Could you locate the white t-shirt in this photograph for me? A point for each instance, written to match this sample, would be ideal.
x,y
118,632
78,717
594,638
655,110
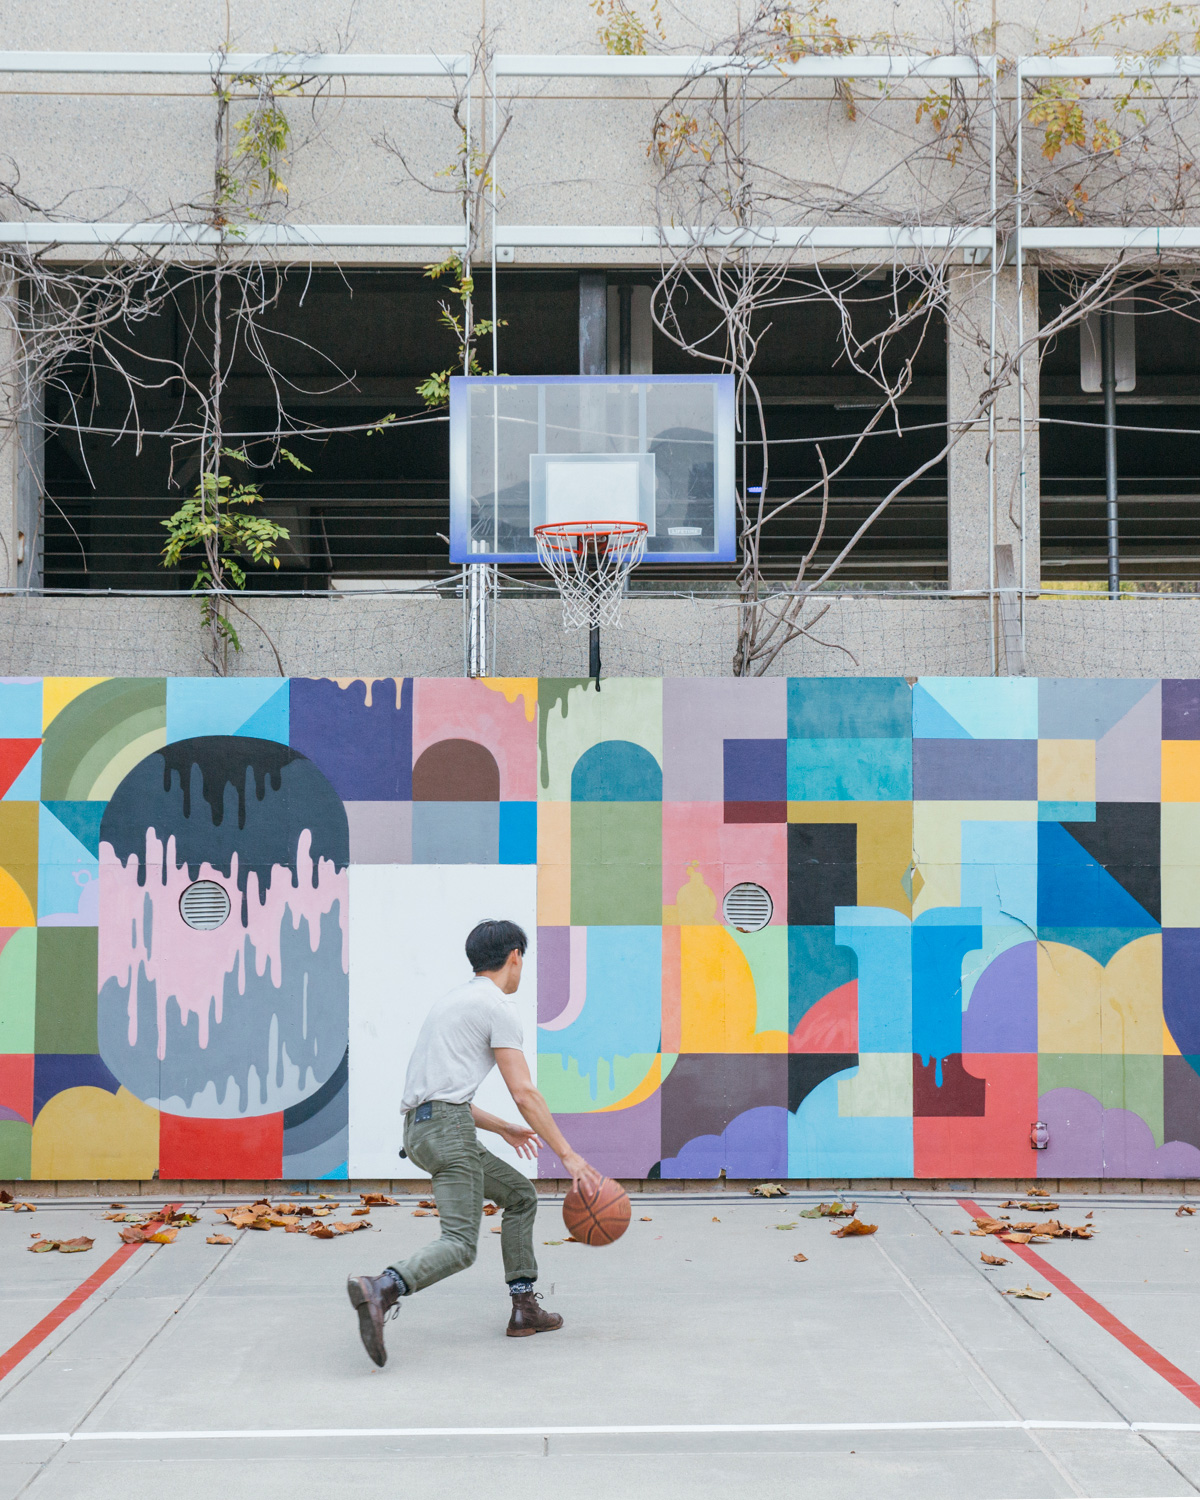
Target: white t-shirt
x,y
453,1054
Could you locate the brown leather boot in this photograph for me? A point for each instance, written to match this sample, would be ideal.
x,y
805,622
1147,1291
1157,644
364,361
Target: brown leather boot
x,y
372,1297
528,1317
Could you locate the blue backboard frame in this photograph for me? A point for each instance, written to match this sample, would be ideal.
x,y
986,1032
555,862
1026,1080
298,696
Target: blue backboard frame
x,y
724,462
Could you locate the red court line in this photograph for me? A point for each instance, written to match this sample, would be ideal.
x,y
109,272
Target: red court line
x,y
75,1300
1136,1345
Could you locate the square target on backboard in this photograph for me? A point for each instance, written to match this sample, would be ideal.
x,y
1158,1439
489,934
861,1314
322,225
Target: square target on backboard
x,y
528,450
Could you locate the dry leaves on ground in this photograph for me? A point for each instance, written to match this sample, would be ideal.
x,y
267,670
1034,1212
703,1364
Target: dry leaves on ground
x,y
992,1260
496,1229
768,1190
489,1209
219,1239
8,1201
378,1200
785,1226
646,1219
552,1242
834,1210
1026,1291
854,1227
958,1231
157,1228
68,1247
715,1219
292,1218
1184,1208
1038,1193
799,1255
1030,1208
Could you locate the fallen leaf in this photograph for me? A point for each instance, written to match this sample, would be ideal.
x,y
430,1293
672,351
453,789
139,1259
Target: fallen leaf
x,y
980,1233
646,1219
1016,1239
357,1213
322,1232
5,1196
427,1203
799,1255
116,1205
1184,1208
132,1234
1026,1291
833,1210
1089,1213
72,1247
489,1209
422,1213
768,1190
571,1240
219,1239
785,1226
40,1245
715,1219
552,1242
381,1200
325,1195
1038,1193
957,1231
164,1236
495,1229
854,1227
992,1260
341,1227
24,1208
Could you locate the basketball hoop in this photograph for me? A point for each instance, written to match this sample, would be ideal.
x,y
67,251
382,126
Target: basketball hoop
x,y
590,562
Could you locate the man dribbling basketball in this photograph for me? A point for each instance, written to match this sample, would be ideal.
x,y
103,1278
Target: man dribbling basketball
x,y
468,1032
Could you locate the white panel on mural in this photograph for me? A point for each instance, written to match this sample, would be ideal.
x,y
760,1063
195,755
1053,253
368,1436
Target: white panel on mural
x,y
408,924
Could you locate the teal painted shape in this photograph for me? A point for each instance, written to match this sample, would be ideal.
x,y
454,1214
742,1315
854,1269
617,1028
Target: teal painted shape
x,y
881,940
1066,812
941,940
1100,942
999,873
817,964
622,1011
28,785
616,771
66,868
273,720
82,819
849,770
20,709
822,1143
854,708
988,708
226,705
931,721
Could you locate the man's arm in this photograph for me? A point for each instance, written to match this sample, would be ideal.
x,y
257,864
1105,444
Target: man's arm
x,y
519,1137
515,1072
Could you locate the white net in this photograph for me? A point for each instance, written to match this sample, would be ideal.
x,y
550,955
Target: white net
x,y
590,561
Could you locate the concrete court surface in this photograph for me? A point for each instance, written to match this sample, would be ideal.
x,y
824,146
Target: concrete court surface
x,y
236,1370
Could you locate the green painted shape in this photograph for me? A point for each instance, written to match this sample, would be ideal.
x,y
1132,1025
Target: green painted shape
x,y
669,1059
82,739
66,990
1133,1081
616,864
18,991
570,1092
16,1150
766,952
573,716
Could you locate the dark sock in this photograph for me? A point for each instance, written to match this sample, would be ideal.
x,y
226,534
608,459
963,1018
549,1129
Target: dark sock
x,y
517,1287
401,1285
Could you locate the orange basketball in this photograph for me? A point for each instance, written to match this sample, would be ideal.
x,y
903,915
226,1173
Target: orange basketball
x,y
597,1218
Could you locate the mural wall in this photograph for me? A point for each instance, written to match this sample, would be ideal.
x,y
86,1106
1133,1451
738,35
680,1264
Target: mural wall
x,y
958,906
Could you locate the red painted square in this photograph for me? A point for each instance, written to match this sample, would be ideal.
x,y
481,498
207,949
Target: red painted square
x,y
16,1085
228,1149
994,1144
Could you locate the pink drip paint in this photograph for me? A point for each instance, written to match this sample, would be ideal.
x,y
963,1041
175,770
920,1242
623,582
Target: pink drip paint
x,y
188,966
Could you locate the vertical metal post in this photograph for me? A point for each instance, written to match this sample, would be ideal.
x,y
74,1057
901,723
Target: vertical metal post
x,y
478,589
625,343
593,360
594,655
1108,384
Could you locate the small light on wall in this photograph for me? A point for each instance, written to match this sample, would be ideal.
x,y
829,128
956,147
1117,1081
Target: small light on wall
x,y
1039,1135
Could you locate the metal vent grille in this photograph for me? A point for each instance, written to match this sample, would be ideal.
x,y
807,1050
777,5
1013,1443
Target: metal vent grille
x,y
204,905
748,907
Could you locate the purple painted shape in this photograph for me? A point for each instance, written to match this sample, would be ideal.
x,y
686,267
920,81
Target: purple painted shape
x,y
12,1114
1087,1140
1181,708
553,972
1181,986
754,1144
364,749
1129,756
1002,1013
618,1142
699,714
756,771
975,770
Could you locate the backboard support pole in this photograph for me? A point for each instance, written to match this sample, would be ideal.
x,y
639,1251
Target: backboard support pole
x,y
594,655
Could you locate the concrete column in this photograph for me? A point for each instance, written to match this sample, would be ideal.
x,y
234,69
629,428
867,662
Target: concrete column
x,y
966,380
593,323
22,464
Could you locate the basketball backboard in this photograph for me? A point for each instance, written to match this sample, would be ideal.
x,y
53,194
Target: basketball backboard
x,y
526,450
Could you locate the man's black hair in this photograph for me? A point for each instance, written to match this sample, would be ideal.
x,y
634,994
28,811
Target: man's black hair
x,y
489,945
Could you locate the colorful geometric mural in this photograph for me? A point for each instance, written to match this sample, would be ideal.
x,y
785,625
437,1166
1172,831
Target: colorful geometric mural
x,y
225,906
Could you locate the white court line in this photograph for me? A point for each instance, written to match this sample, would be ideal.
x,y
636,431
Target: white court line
x,y
259,1433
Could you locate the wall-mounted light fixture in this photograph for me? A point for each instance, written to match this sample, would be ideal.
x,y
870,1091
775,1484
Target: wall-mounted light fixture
x,y
1039,1135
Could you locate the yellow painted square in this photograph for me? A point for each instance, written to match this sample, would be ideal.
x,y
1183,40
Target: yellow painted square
x,y
1067,770
554,864
1181,770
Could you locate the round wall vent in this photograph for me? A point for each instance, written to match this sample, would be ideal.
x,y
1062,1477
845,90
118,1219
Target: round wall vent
x,y
204,905
748,907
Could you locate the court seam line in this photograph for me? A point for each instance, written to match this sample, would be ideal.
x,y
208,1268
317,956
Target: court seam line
x,y
1184,1383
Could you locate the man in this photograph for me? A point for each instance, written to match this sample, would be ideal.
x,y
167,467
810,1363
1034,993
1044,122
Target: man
x,y
468,1032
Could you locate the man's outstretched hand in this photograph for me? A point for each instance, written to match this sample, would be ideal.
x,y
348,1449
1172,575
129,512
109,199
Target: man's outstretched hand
x,y
583,1174
524,1141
